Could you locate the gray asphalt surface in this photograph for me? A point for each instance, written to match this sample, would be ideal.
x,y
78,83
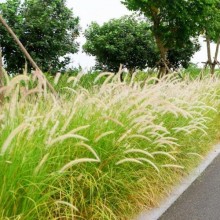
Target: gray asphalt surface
x,y
201,201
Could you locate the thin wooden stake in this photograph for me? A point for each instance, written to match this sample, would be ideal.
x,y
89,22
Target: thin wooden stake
x,y
25,52
217,51
1,77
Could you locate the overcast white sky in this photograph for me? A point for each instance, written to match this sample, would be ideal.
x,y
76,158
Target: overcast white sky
x,y
94,10
101,11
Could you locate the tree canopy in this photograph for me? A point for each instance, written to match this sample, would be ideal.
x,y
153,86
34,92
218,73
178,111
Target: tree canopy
x,y
47,28
172,22
129,41
180,56
211,32
126,41
211,24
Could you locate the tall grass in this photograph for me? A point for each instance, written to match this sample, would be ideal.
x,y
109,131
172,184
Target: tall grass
x,y
102,153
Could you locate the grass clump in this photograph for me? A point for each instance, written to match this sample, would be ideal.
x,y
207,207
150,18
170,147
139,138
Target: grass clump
x,y
103,153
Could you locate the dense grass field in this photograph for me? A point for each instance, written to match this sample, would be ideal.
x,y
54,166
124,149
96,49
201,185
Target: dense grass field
x,y
104,149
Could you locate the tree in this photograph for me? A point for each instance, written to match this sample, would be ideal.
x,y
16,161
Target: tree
x,y
173,22
129,41
126,41
181,56
47,28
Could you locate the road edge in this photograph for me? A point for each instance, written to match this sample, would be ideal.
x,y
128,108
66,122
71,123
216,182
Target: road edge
x,y
157,212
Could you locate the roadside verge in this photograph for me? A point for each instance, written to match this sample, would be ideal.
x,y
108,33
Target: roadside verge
x,y
157,212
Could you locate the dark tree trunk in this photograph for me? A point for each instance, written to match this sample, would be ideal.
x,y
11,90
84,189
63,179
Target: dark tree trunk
x,y
131,71
163,57
121,77
212,69
159,42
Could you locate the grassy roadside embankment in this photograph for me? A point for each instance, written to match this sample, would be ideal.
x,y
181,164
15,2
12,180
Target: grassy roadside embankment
x,y
103,153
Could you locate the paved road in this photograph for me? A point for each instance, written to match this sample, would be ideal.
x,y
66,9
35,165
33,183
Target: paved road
x,y
201,201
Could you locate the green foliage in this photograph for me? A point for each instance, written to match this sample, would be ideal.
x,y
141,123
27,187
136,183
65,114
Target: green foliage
x,y
47,29
181,56
126,41
130,42
173,23
137,121
211,25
